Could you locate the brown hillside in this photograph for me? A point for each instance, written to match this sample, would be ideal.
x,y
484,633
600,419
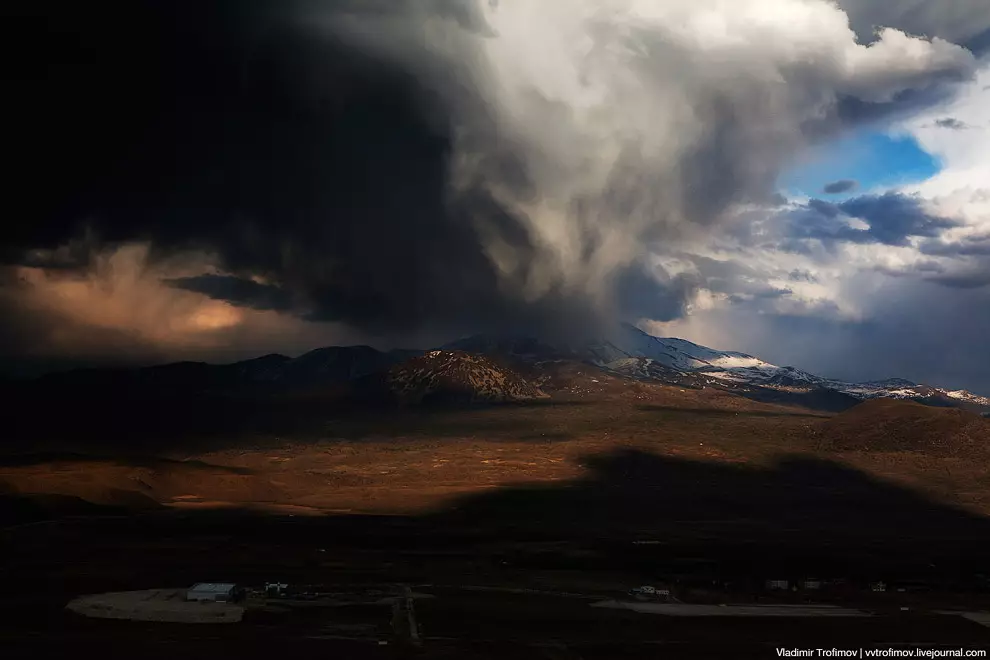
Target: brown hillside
x,y
131,483
458,377
882,425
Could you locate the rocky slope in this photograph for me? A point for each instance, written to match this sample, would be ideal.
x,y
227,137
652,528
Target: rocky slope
x,y
458,377
629,352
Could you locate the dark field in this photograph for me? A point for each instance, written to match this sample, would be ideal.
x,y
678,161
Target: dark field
x,y
493,596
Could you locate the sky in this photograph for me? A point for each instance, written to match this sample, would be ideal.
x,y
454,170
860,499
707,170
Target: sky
x,y
804,180
867,159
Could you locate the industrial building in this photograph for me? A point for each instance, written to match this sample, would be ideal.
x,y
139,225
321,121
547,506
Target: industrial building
x,y
213,592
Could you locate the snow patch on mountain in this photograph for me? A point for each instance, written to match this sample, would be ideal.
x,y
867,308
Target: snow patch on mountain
x,y
963,395
680,354
737,362
741,368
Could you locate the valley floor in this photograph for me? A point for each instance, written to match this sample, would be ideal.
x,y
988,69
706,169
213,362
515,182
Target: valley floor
x,y
414,460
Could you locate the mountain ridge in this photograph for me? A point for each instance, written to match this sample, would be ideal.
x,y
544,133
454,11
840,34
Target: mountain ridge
x,y
629,352
742,368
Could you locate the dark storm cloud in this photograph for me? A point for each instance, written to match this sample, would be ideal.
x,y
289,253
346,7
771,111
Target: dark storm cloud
x,y
768,293
777,199
853,110
798,275
290,152
921,267
826,209
970,247
227,126
654,295
735,278
235,290
965,274
809,223
893,218
951,123
972,279
840,186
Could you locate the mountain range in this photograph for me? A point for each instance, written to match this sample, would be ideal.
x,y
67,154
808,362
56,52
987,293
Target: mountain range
x,y
741,368
509,361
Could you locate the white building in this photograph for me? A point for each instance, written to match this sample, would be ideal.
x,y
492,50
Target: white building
x,y
778,584
214,592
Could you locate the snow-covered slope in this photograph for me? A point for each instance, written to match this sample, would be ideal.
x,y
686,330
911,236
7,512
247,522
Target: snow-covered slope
x,y
969,397
680,354
741,368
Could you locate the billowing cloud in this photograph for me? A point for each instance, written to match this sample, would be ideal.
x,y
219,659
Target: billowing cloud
x,y
966,247
913,329
893,217
890,219
121,310
241,292
442,167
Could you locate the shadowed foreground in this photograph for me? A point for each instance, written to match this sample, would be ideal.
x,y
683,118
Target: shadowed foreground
x,y
633,517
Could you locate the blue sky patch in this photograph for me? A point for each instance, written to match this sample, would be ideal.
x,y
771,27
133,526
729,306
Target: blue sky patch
x,y
875,160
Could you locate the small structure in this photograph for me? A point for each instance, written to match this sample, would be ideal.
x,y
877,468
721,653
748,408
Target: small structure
x,y
212,592
648,592
275,589
878,586
778,584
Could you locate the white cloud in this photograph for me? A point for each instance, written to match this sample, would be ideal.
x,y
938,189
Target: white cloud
x,y
870,310
638,120
964,152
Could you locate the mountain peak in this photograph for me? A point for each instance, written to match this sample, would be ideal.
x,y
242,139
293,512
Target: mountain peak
x,y
891,382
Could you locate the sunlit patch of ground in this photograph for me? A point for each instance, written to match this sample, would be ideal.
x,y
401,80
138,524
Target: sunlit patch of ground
x,y
418,460
162,605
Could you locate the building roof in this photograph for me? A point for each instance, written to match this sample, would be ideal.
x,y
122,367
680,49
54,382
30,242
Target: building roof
x,y
213,587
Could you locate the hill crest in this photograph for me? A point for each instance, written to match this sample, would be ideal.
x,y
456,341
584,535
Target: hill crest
x,y
443,376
